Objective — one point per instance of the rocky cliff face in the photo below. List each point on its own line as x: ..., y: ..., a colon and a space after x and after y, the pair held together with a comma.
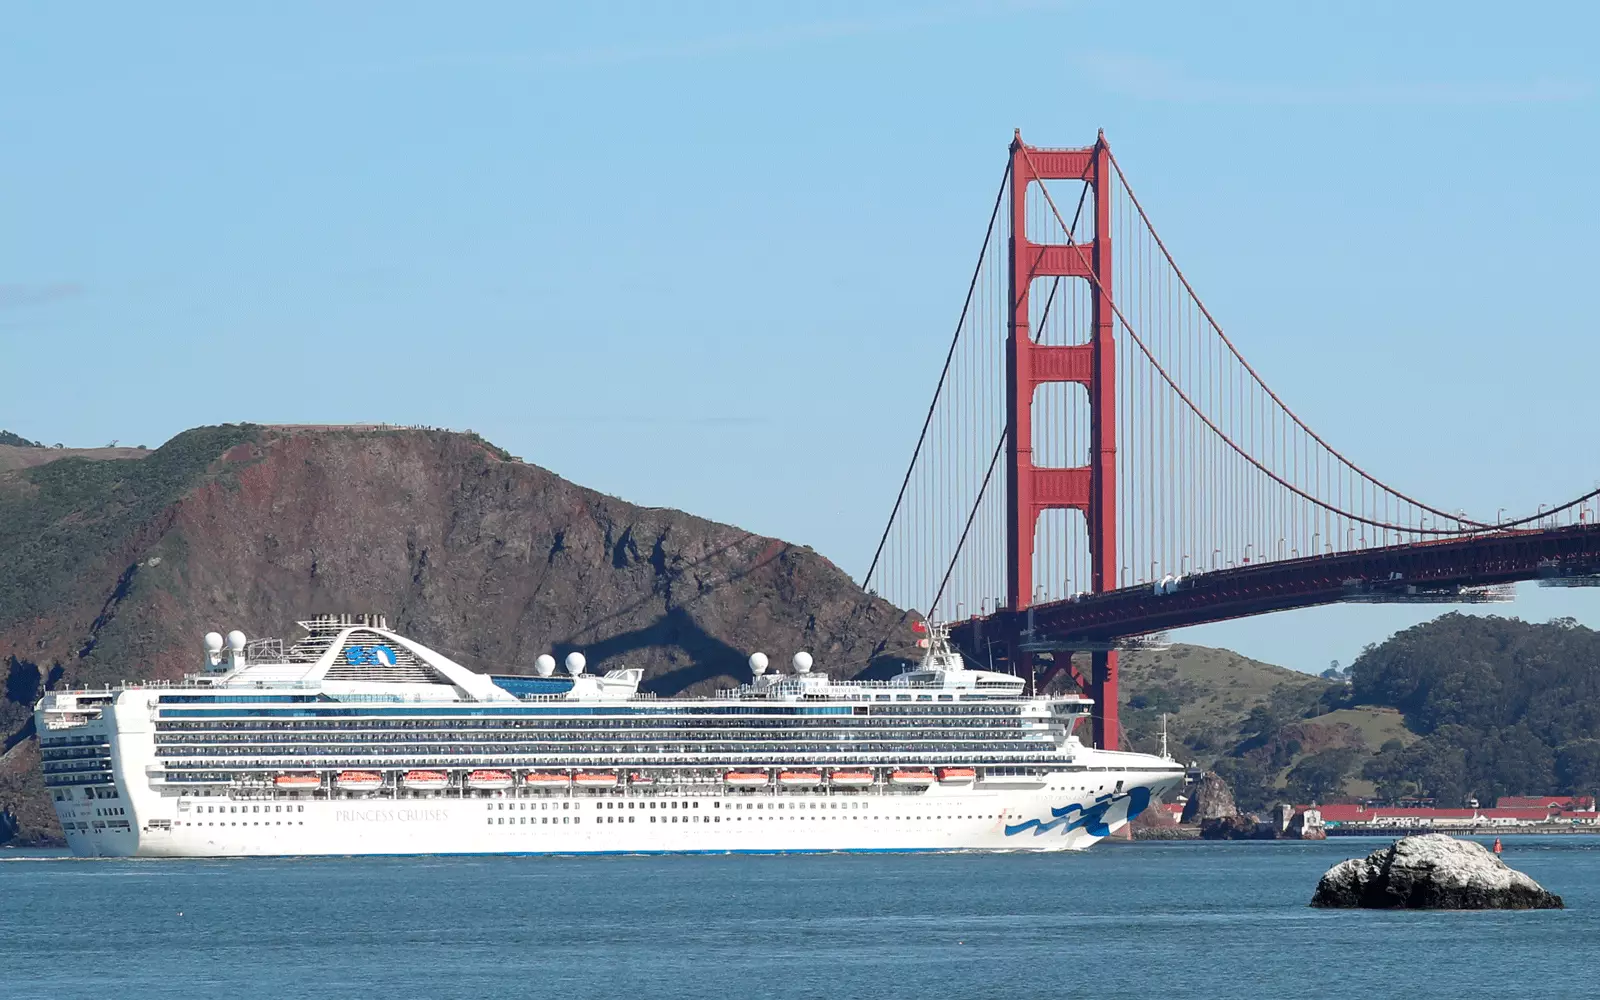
x: 113, y: 569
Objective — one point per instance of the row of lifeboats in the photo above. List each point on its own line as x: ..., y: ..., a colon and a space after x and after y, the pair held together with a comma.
x: 495, y: 781
x: 420, y: 781
x: 910, y: 777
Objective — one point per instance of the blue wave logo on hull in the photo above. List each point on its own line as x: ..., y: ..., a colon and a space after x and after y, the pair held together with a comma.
x: 1091, y: 819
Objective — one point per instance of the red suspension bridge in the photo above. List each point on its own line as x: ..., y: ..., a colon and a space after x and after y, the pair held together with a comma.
x: 1135, y: 473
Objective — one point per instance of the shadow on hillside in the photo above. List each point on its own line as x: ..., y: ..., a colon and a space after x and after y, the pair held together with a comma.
x: 665, y: 578
x: 710, y: 657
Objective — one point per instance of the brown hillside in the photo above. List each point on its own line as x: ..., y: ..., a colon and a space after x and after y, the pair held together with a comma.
x: 115, y: 569
x: 18, y: 457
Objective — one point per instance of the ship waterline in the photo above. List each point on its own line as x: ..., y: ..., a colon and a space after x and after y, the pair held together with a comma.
x: 357, y: 740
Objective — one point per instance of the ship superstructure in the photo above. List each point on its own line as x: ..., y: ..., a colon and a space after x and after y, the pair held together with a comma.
x: 357, y: 740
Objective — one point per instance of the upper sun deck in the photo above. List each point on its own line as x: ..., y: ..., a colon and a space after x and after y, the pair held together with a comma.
x: 357, y: 658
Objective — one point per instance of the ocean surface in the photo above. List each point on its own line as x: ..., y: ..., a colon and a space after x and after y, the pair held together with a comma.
x: 1122, y: 920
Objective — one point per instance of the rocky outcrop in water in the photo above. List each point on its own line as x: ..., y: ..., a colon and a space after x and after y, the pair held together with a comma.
x: 1210, y: 799
x: 1212, y: 807
x: 1431, y: 872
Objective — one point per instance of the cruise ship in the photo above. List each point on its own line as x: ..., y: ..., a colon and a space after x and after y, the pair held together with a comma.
x: 357, y: 740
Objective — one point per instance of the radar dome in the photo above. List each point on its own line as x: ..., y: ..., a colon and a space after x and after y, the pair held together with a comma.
x: 236, y: 641
x: 575, y: 663
x: 213, y: 642
x: 802, y: 662
x: 758, y: 663
x: 545, y: 665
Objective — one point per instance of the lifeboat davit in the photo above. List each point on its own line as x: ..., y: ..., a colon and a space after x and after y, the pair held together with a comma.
x: 426, y: 781
x: 595, y: 779
x: 297, y: 782
x: 359, y: 781
x: 912, y: 778
x: 957, y: 775
x: 489, y: 781
x: 746, y: 779
x: 799, y: 779
x: 850, y: 779
x: 545, y: 779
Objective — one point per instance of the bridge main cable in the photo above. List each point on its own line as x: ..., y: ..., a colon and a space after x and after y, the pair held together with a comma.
x: 1256, y: 376
x: 944, y: 373
x: 1477, y: 527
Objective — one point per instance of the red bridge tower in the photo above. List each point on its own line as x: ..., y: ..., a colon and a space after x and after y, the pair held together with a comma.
x: 1091, y: 488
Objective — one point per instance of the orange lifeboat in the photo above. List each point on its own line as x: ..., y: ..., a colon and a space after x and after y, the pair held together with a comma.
x: 425, y: 781
x: 957, y: 775
x: 913, y: 778
x: 595, y: 779
x: 850, y: 779
x: 545, y: 779
x: 358, y: 781
x: 490, y: 781
x: 799, y: 779
x: 746, y: 779
x: 297, y: 782
x: 641, y: 780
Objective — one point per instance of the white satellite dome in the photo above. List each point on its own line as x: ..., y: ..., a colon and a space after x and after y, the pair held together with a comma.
x: 802, y: 662
x: 236, y: 641
x: 545, y: 665
x: 758, y: 664
x: 213, y: 642
x: 575, y: 663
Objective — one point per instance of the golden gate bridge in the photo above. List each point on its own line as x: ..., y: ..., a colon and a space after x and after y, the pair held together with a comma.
x: 1136, y: 473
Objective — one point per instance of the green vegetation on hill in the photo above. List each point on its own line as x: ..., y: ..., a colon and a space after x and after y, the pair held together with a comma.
x: 59, y: 518
x: 1206, y: 694
x: 1459, y: 708
x: 1503, y: 707
x: 1254, y: 723
x: 17, y: 440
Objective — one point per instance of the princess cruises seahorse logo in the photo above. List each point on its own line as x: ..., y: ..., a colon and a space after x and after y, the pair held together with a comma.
x: 1091, y: 819
x: 369, y: 656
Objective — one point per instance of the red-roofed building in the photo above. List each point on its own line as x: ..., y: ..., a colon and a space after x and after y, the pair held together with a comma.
x: 1549, y: 803
x: 1358, y: 817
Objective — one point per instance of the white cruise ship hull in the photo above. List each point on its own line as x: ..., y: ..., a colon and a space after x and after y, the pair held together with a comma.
x: 1053, y: 818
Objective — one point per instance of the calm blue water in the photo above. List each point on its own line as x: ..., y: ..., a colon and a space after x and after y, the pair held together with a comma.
x: 1142, y: 920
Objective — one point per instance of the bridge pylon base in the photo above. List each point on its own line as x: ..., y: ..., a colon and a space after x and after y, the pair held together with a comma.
x: 1103, y: 689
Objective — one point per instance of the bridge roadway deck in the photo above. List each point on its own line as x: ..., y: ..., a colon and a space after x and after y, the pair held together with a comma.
x: 1432, y: 566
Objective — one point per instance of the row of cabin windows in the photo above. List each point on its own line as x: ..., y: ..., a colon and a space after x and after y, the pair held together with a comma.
x: 885, y: 716
x: 544, y: 820
x: 249, y: 809
x: 513, y: 820
x: 514, y: 806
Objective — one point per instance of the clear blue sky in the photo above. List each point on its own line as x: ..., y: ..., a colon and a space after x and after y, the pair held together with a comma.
x: 707, y: 256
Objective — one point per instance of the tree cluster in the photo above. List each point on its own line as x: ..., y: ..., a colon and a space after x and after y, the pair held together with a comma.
x: 1504, y: 707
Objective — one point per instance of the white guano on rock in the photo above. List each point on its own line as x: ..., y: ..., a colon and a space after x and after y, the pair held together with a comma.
x: 1431, y: 872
